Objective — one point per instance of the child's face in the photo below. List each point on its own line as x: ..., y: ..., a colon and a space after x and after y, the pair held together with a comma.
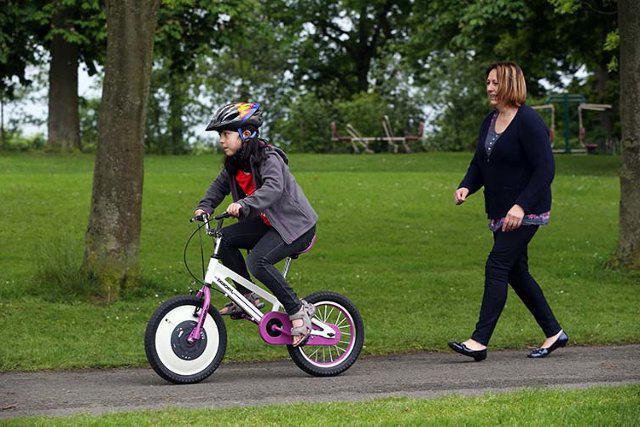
x: 230, y: 142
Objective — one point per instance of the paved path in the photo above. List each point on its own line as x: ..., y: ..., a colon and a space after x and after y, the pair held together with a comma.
x: 236, y: 384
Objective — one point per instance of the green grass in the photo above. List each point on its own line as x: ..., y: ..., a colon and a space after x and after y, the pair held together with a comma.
x: 389, y: 237
x: 615, y: 406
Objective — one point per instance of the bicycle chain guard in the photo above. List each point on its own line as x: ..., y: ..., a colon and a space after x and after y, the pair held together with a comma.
x: 275, y: 329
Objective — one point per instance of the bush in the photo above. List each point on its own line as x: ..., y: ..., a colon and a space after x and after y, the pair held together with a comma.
x: 305, y: 126
x: 14, y: 140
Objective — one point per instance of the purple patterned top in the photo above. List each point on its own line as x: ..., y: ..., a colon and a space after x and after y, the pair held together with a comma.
x: 531, y: 219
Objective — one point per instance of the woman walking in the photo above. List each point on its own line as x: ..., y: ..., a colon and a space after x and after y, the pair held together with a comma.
x: 514, y: 163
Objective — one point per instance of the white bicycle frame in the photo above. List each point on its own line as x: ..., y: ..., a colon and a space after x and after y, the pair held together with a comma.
x: 219, y: 275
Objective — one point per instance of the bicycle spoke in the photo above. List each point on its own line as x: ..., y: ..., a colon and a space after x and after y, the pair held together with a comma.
x: 329, y: 315
x: 340, y: 325
x: 314, y: 353
x: 338, y: 318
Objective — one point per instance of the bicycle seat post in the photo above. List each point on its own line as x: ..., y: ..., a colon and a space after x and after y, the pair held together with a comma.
x: 287, y: 264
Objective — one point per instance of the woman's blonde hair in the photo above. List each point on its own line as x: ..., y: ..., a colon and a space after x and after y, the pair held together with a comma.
x: 512, y: 88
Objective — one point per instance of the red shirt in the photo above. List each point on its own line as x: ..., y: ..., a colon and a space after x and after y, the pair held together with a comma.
x: 248, y: 186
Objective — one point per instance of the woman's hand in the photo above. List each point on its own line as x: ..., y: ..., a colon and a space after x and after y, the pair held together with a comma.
x: 513, y: 219
x: 234, y: 209
x: 199, y: 212
x: 461, y: 195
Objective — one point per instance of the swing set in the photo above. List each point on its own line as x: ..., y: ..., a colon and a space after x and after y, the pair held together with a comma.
x: 566, y: 99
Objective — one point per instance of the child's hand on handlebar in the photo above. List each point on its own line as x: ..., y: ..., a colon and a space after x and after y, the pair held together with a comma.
x: 234, y: 209
x: 199, y: 215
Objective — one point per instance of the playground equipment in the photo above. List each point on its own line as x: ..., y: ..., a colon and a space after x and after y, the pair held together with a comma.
x: 565, y: 99
x: 354, y: 139
x: 591, y: 148
x: 386, y: 125
x: 359, y: 142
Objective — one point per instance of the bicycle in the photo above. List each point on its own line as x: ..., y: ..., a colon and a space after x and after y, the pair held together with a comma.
x: 186, y: 338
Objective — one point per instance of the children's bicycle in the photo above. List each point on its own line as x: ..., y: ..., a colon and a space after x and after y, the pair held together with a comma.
x: 186, y: 338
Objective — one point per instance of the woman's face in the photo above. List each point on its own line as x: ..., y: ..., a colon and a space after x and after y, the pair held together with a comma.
x: 230, y: 142
x: 492, y: 88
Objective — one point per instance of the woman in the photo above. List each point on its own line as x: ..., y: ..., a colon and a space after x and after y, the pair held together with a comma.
x: 277, y: 219
x: 514, y: 163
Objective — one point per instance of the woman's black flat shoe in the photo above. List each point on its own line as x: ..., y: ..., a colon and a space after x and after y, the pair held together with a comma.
x: 458, y: 347
x: 539, y: 353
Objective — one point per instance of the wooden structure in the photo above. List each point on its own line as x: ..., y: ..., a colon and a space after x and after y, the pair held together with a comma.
x: 359, y: 142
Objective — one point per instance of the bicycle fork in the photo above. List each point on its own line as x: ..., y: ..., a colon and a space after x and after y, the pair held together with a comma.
x: 197, y: 331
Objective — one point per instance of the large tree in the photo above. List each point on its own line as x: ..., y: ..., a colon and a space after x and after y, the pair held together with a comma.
x: 113, y: 235
x: 629, y: 244
x: 187, y: 30
x: 73, y: 33
x: 340, y: 41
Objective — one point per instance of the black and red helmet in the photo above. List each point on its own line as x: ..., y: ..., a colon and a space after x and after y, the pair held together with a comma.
x: 236, y: 116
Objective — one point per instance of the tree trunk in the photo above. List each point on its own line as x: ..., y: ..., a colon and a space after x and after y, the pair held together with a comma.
x: 602, y: 79
x: 112, y: 240
x: 64, y: 118
x: 177, y: 95
x: 628, y: 252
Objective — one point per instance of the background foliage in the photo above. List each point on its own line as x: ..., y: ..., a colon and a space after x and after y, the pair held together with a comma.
x: 316, y: 62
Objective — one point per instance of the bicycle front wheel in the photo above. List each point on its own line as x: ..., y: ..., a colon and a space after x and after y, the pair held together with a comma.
x: 169, y: 352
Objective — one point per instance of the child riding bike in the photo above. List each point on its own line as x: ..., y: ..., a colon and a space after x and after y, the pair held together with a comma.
x: 275, y: 218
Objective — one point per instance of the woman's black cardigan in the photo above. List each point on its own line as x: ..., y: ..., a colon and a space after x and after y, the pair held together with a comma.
x: 520, y: 168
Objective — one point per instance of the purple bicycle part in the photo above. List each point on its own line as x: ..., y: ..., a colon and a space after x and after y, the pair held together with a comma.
x: 196, y: 332
x: 352, y: 338
x: 275, y: 329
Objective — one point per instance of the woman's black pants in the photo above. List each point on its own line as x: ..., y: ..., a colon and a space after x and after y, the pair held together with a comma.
x: 507, y: 263
x: 267, y: 248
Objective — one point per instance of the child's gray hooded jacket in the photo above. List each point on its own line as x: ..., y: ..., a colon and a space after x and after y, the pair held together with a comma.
x: 277, y: 195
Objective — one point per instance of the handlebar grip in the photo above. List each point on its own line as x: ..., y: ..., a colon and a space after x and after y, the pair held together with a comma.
x: 227, y: 215
x: 200, y: 218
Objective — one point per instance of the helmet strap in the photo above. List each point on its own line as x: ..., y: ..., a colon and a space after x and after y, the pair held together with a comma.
x: 243, y: 138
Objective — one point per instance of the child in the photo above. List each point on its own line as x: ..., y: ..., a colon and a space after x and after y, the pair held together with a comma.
x: 277, y: 220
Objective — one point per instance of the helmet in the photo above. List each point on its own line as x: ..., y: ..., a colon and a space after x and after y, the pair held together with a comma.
x: 235, y: 116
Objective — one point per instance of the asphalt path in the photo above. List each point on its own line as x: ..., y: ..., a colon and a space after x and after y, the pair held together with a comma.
x: 422, y: 375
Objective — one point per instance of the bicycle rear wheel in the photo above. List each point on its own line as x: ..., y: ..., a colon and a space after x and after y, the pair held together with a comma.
x: 326, y: 361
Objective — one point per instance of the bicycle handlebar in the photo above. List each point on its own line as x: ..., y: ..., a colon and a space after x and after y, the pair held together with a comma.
x: 222, y: 216
x: 199, y: 218
x: 205, y: 218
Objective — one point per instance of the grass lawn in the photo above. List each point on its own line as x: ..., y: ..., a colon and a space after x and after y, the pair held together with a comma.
x: 389, y: 237
x: 615, y: 406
